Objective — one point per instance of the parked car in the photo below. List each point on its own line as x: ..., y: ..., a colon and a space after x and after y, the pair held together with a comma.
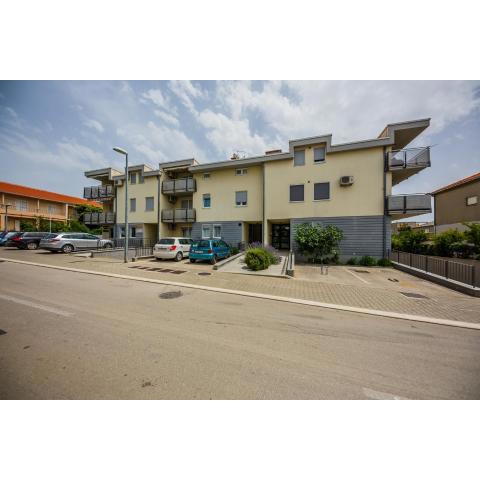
x: 172, y: 248
x: 211, y: 250
x: 26, y: 240
x: 71, y: 241
x: 5, y: 237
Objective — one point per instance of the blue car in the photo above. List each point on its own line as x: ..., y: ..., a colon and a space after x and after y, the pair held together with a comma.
x: 211, y: 250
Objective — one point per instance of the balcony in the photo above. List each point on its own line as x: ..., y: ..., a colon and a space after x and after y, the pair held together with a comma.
x: 99, y: 218
x: 405, y: 163
x: 409, y: 205
x: 180, y: 186
x: 178, y: 215
x: 103, y: 192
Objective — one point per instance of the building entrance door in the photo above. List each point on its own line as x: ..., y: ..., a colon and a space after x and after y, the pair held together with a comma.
x: 281, y: 236
x: 255, y: 232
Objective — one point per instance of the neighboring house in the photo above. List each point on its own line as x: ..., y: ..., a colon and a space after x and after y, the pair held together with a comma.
x: 18, y: 202
x: 427, y: 227
x: 456, y: 203
x: 263, y: 198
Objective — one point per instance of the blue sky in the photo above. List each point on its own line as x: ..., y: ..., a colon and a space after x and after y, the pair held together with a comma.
x: 52, y: 131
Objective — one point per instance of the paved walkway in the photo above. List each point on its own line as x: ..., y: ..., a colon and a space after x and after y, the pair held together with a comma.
x: 440, y: 302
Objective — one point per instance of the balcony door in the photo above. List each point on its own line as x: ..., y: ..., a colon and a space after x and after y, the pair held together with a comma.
x: 187, y: 203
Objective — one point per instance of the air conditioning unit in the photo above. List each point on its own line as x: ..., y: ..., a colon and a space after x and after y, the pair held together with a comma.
x: 346, y: 180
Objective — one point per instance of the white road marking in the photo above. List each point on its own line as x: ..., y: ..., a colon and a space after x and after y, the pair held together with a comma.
x: 39, y: 306
x: 377, y: 395
x: 357, y: 276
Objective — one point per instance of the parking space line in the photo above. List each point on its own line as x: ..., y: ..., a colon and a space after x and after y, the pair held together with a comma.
x: 38, y: 306
x: 357, y: 276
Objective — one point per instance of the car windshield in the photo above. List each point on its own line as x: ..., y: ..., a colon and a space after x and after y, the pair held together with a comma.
x: 167, y: 241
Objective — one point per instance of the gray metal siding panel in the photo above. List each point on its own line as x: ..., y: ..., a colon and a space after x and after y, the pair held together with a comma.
x: 231, y: 231
x: 363, y: 235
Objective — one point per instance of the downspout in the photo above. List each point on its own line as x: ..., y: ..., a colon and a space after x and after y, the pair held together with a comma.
x: 115, y: 226
x: 384, y: 220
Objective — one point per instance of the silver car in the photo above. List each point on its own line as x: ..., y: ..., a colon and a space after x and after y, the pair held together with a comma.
x: 71, y: 241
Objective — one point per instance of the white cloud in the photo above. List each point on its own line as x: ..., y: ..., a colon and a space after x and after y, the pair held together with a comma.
x: 167, y: 117
x: 186, y: 91
x: 156, y: 96
x: 94, y: 124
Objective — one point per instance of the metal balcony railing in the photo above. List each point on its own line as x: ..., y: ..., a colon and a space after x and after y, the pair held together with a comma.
x: 98, y: 193
x: 178, y: 215
x: 410, y: 203
x: 409, y: 158
x: 180, y: 185
x: 99, y: 218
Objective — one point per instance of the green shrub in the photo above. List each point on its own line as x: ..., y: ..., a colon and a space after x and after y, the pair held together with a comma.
x: 408, y: 240
x: 318, y: 242
x: 384, y: 262
x: 28, y: 226
x: 234, y: 250
x: 257, y: 259
x: 472, y: 234
x: 352, y: 261
x: 444, y: 242
x: 367, y: 261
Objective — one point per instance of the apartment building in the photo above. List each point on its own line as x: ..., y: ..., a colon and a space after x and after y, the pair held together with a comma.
x: 456, y: 203
x: 18, y: 202
x: 263, y: 198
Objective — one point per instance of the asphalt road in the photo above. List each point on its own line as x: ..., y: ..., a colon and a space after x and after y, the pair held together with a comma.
x: 78, y: 336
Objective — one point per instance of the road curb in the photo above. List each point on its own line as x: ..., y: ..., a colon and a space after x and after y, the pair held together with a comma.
x: 312, y: 303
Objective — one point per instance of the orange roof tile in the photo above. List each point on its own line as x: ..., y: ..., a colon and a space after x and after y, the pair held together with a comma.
x: 21, y: 190
x: 471, y: 178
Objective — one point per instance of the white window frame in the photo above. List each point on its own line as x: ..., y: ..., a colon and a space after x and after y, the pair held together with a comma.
x: 203, y: 200
x: 241, y: 171
x: 213, y: 230
x: 474, y: 200
x: 209, y: 227
x: 241, y: 204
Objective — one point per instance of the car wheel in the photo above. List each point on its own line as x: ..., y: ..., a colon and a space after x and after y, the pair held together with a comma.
x: 158, y: 259
x: 32, y: 246
x: 107, y: 245
x: 67, y: 248
x: 192, y: 260
x: 179, y: 257
x: 213, y: 261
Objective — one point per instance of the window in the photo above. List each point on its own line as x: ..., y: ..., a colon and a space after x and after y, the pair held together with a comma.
x: 319, y: 155
x: 122, y: 232
x: 207, y: 201
x: 296, y: 193
x: 133, y: 232
x: 51, y: 209
x: 241, y: 171
x: 321, y: 191
x: 241, y: 199
x: 149, y: 204
x: 472, y: 200
x: 299, y: 158
x: 133, y: 204
x: 133, y: 178
x: 141, y: 178
x: 187, y: 203
x: 187, y: 232
x: 206, y: 231
x: 217, y: 231
x: 21, y: 205
x: 206, y: 176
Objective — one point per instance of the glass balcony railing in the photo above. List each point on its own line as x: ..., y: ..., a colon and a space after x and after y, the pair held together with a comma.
x: 410, y: 204
x: 178, y: 215
x: 98, y: 193
x: 99, y: 218
x: 409, y: 158
x: 179, y: 186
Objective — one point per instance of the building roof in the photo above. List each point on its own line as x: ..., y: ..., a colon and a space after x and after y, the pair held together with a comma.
x: 463, y: 181
x: 23, y: 191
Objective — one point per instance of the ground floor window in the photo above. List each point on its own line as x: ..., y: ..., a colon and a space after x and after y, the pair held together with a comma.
x: 206, y: 231
x: 187, y: 232
x: 217, y: 231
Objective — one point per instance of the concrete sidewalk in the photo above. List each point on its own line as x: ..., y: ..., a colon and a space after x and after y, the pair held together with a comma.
x: 440, y: 302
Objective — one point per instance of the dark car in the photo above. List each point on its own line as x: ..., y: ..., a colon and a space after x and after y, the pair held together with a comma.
x: 6, y: 236
x: 26, y: 240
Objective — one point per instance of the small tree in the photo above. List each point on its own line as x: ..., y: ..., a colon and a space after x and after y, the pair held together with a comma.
x: 472, y: 234
x: 408, y: 240
x: 317, y: 242
x: 445, y: 242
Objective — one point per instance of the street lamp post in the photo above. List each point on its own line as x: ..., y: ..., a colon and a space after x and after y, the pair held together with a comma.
x: 124, y: 152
